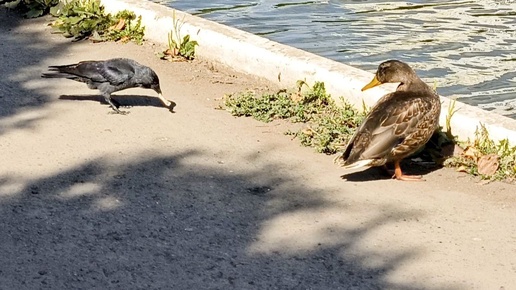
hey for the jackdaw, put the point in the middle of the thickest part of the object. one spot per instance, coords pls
(110, 76)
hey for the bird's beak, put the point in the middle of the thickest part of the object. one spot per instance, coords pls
(169, 104)
(375, 82)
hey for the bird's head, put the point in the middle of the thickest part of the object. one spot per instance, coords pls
(391, 71)
(151, 81)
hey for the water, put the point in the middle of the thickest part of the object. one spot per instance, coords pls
(466, 48)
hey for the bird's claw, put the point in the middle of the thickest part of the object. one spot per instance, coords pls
(119, 112)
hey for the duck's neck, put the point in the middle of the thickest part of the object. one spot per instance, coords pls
(412, 84)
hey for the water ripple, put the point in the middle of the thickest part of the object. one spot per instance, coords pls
(467, 48)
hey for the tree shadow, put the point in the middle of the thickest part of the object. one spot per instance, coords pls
(18, 58)
(168, 222)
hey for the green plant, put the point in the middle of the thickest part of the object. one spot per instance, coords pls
(87, 19)
(187, 47)
(451, 112)
(329, 125)
(133, 29)
(178, 46)
(81, 18)
(32, 8)
(486, 158)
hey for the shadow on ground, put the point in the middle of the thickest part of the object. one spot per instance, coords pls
(375, 173)
(123, 100)
(164, 222)
(19, 55)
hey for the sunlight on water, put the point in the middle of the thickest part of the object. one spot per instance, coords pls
(467, 47)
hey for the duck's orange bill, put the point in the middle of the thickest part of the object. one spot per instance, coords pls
(375, 82)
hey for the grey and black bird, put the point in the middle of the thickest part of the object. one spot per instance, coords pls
(110, 76)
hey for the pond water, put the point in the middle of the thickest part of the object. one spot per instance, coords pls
(466, 48)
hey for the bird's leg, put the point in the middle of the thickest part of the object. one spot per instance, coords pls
(400, 176)
(115, 102)
(111, 102)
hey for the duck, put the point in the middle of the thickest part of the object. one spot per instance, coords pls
(398, 125)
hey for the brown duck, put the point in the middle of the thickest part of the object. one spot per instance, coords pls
(398, 125)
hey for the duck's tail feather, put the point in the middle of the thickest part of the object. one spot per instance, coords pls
(358, 164)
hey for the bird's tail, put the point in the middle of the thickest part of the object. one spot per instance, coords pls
(339, 160)
(358, 164)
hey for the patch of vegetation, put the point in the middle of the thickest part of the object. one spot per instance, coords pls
(329, 126)
(87, 19)
(486, 158)
(32, 8)
(179, 48)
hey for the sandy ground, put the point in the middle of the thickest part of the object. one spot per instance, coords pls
(203, 200)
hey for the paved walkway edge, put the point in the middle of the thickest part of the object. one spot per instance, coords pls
(284, 65)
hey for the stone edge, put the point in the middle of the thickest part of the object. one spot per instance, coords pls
(284, 65)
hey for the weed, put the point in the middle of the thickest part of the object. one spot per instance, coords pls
(178, 47)
(87, 19)
(486, 158)
(129, 27)
(32, 8)
(329, 126)
(451, 112)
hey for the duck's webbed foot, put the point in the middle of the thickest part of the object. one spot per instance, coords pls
(398, 174)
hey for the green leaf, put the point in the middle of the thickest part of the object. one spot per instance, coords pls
(55, 11)
(33, 13)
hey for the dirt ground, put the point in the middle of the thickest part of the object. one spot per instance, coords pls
(203, 200)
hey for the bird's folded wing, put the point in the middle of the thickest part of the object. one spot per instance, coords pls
(91, 70)
(392, 122)
(117, 71)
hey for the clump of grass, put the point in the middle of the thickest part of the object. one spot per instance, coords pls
(179, 48)
(128, 27)
(329, 126)
(87, 19)
(486, 158)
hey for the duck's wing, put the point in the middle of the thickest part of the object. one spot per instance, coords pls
(394, 118)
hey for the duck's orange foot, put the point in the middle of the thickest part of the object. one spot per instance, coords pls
(400, 176)
(404, 177)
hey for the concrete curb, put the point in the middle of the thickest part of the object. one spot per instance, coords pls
(284, 65)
